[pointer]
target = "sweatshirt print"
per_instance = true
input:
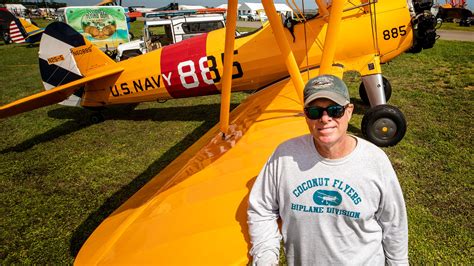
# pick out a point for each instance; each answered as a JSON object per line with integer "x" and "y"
{"x": 345, "y": 211}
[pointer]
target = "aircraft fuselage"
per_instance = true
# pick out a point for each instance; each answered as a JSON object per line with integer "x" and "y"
{"x": 194, "y": 67}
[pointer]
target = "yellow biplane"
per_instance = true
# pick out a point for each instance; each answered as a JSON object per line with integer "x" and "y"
{"x": 194, "y": 211}
{"x": 17, "y": 29}
{"x": 76, "y": 73}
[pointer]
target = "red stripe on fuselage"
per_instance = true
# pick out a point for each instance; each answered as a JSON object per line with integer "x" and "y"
{"x": 177, "y": 63}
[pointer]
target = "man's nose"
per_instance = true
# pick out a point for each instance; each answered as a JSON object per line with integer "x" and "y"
{"x": 325, "y": 118}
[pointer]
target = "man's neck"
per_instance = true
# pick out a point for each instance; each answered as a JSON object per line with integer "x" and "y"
{"x": 337, "y": 150}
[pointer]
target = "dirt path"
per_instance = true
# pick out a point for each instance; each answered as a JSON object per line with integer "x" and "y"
{"x": 456, "y": 35}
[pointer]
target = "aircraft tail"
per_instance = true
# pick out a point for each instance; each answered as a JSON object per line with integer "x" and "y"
{"x": 17, "y": 32}
{"x": 66, "y": 56}
{"x": 29, "y": 26}
{"x": 67, "y": 63}
{"x": 21, "y": 31}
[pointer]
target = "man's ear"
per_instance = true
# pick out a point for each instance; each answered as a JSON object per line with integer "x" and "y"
{"x": 350, "y": 109}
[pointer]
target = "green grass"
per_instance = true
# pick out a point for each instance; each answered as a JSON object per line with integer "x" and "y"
{"x": 435, "y": 90}
{"x": 60, "y": 175}
{"x": 455, "y": 26}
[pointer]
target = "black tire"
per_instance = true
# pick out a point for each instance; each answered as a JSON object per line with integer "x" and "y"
{"x": 387, "y": 87}
{"x": 6, "y": 38}
{"x": 131, "y": 36}
{"x": 96, "y": 118}
{"x": 384, "y": 125}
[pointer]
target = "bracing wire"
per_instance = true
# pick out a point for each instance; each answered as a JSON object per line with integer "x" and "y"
{"x": 374, "y": 27}
{"x": 376, "y": 34}
{"x": 297, "y": 8}
{"x": 291, "y": 7}
{"x": 302, "y": 18}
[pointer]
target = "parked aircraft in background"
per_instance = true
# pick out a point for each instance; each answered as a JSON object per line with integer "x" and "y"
{"x": 24, "y": 31}
{"x": 18, "y": 30}
{"x": 75, "y": 72}
{"x": 5, "y": 18}
{"x": 195, "y": 209}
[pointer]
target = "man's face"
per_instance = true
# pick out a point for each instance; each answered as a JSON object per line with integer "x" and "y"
{"x": 327, "y": 130}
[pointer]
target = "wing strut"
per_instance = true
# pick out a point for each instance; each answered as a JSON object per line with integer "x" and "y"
{"x": 228, "y": 62}
{"x": 322, "y": 7}
{"x": 330, "y": 43}
{"x": 285, "y": 49}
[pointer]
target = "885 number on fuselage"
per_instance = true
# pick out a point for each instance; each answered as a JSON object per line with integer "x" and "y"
{"x": 188, "y": 71}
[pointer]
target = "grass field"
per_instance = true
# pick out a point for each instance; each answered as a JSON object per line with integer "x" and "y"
{"x": 61, "y": 176}
{"x": 455, "y": 26}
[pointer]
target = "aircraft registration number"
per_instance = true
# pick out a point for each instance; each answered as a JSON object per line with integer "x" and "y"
{"x": 394, "y": 33}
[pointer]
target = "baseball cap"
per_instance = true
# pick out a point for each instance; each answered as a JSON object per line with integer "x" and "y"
{"x": 326, "y": 86}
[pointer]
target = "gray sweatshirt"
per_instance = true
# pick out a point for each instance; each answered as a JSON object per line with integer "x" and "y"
{"x": 345, "y": 211}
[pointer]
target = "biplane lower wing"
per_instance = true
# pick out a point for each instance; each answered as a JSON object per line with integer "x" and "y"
{"x": 194, "y": 211}
{"x": 52, "y": 96}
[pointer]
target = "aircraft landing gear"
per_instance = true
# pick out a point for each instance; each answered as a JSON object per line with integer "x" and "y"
{"x": 96, "y": 118}
{"x": 387, "y": 87}
{"x": 383, "y": 124}
{"x": 6, "y": 38}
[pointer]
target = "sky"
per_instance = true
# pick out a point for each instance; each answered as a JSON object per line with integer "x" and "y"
{"x": 160, "y": 3}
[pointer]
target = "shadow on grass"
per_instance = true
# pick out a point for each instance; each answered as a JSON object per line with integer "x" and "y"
{"x": 200, "y": 112}
{"x": 359, "y": 106}
{"x": 62, "y": 130}
{"x": 360, "y": 109}
{"x": 80, "y": 118}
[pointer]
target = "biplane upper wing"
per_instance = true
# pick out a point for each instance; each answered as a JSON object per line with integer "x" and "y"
{"x": 52, "y": 96}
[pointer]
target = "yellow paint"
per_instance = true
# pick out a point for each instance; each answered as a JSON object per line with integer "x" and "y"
{"x": 259, "y": 55}
{"x": 331, "y": 41}
{"x": 194, "y": 211}
{"x": 29, "y": 27}
{"x": 286, "y": 53}
{"x": 228, "y": 60}
{"x": 49, "y": 97}
{"x": 322, "y": 7}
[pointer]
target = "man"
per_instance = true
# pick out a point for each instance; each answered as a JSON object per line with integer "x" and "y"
{"x": 337, "y": 195}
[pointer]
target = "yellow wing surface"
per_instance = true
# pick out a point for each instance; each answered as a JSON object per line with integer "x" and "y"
{"x": 52, "y": 96}
{"x": 194, "y": 211}
{"x": 28, "y": 26}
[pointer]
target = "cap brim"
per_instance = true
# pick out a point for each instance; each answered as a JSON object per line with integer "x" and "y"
{"x": 335, "y": 97}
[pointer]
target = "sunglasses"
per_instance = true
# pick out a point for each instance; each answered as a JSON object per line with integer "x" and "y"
{"x": 315, "y": 112}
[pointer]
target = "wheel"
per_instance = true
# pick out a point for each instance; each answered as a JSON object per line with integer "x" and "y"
{"x": 387, "y": 87}
{"x": 6, "y": 38}
{"x": 384, "y": 125}
{"x": 97, "y": 118}
{"x": 131, "y": 36}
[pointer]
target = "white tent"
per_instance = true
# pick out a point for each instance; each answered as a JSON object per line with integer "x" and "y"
{"x": 253, "y": 8}
{"x": 225, "y": 6}
{"x": 188, "y": 7}
{"x": 16, "y": 9}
